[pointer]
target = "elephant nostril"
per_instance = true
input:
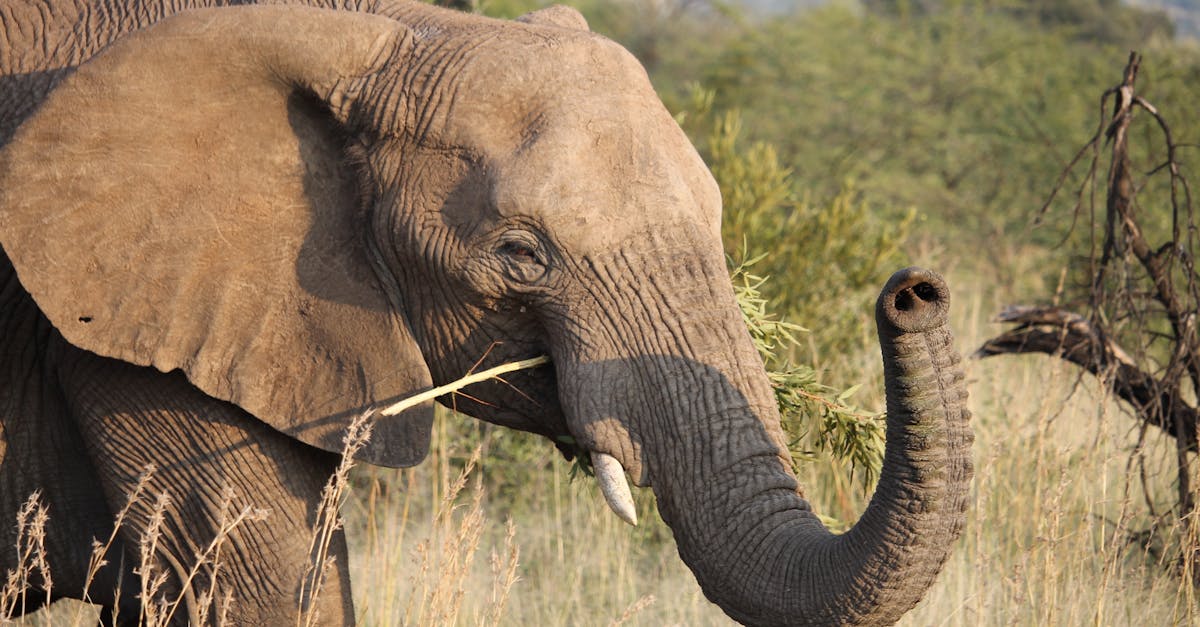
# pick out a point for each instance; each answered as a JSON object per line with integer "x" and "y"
{"x": 85, "y": 319}
{"x": 926, "y": 292}
{"x": 909, "y": 299}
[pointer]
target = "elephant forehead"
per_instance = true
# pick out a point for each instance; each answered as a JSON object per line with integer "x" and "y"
{"x": 495, "y": 92}
{"x": 570, "y": 132}
{"x": 605, "y": 177}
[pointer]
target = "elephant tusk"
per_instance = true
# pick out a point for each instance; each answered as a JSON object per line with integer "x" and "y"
{"x": 611, "y": 478}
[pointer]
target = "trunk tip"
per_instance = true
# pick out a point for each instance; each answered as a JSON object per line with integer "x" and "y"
{"x": 914, "y": 300}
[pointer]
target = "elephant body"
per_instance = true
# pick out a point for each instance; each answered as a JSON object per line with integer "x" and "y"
{"x": 227, "y": 230}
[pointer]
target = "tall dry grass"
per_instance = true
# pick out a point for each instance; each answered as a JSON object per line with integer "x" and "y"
{"x": 579, "y": 564}
{"x": 1054, "y": 536}
{"x": 31, "y": 571}
{"x": 196, "y": 594}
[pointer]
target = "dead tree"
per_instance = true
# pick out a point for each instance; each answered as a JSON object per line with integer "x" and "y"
{"x": 1137, "y": 329}
{"x": 1056, "y": 331}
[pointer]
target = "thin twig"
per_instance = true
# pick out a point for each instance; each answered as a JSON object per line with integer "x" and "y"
{"x": 454, "y": 386}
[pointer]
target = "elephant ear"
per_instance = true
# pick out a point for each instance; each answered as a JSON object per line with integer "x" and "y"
{"x": 556, "y": 15}
{"x": 181, "y": 201}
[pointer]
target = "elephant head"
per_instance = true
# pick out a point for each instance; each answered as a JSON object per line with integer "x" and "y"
{"x": 314, "y": 213}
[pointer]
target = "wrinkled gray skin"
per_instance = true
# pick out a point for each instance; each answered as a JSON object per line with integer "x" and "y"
{"x": 236, "y": 229}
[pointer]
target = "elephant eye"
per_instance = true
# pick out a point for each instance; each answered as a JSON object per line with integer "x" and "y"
{"x": 523, "y": 259}
{"x": 518, "y": 250}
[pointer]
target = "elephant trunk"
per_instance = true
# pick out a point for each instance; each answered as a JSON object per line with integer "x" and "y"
{"x": 753, "y": 542}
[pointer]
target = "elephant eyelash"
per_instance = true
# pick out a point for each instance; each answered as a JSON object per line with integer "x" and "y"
{"x": 519, "y": 251}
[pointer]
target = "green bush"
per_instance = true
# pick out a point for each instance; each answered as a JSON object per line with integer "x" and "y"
{"x": 826, "y": 260}
{"x": 817, "y": 418}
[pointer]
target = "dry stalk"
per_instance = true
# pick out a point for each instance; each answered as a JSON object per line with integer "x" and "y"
{"x": 633, "y": 610}
{"x": 151, "y": 581}
{"x": 211, "y": 557}
{"x": 99, "y": 550}
{"x": 455, "y": 386}
{"x": 31, "y": 559}
{"x": 504, "y": 574}
{"x": 329, "y": 521}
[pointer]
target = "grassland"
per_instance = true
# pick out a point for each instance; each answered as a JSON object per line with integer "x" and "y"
{"x": 1055, "y": 536}
{"x": 1051, "y": 539}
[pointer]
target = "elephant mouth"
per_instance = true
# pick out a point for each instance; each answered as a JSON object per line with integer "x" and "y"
{"x": 606, "y": 442}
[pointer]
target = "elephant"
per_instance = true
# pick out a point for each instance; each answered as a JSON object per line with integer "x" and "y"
{"x": 229, "y": 229}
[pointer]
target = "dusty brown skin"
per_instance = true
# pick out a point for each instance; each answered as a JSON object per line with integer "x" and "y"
{"x": 235, "y": 229}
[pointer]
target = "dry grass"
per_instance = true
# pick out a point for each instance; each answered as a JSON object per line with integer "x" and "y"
{"x": 1048, "y": 541}
{"x": 329, "y": 521}
{"x": 157, "y": 608}
{"x": 579, "y": 564}
{"x": 31, "y": 570}
{"x": 1058, "y": 503}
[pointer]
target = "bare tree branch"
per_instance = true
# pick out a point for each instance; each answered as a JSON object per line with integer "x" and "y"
{"x": 1072, "y": 337}
{"x": 1143, "y": 291}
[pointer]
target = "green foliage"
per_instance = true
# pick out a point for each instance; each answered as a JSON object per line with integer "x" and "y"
{"x": 1108, "y": 21}
{"x": 1105, "y": 21}
{"x": 964, "y": 113}
{"x": 818, "y": 419}
{"x": 826, "y": 259}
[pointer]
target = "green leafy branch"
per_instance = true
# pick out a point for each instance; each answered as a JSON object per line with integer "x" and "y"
{"x": 816, "y": 417}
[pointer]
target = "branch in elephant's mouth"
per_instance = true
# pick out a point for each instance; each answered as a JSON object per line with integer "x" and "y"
{"x": 454, "y": 386}
{"x": 609, "y": 473}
